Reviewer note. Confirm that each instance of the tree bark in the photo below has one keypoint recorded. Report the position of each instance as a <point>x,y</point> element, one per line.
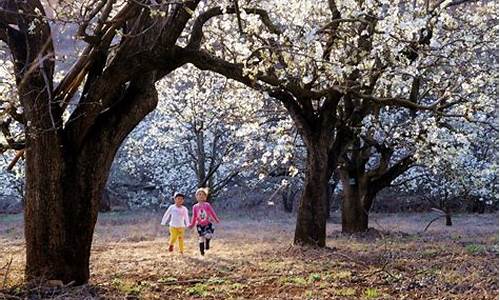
<point>354,215</point>
<point>288,197</point>
<point>200,156</point>
<point>67,164</point>
<point>323,149</point>
<point>360,185</point>
<point>448,220</point>
<point>330,198</point>
<point>311,218</point>
<point>62,205</point>
<point>357,200</point>
<point>328,202</point>
<point>105,204</point>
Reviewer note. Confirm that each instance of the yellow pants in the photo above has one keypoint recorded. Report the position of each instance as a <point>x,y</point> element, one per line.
<point>177,233</point>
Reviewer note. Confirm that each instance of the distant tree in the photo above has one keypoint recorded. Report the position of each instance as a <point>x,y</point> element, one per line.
<point>206,131</point>
<point>334,64</point>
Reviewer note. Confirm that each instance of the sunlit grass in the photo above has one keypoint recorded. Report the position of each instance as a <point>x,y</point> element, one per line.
<point>254,259</point>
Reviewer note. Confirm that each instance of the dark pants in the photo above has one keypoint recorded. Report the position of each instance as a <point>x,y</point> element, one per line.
<point>205,232</point>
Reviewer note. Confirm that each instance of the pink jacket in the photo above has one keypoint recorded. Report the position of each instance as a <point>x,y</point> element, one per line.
<point>202,214</point>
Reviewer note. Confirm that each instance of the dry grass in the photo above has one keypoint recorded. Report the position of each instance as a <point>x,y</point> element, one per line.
<point>254,259</point>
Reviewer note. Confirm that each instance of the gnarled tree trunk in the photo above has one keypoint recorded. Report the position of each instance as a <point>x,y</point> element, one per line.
<point>323,148</point>
<point>356,203</point>
<point>67,165</point>
<point>62,206</point>
<point>360,185</point>
<point>312,211</point>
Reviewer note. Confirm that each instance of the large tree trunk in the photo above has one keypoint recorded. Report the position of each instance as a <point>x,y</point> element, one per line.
<point>43,211</point>
<point>311,217</point>
<point>360,186</point>
<point>356,202</point>
<point>323,148</point>
<point>354,215</point>
<point>60,215</point>
<point>67,164</point>
<point>64,187</point>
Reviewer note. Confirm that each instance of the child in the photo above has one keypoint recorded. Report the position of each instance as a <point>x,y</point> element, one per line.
<point>202,214</point>
<point>179,220</point>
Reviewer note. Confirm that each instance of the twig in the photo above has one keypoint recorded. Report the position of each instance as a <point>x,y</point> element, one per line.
<point>7,269</point>
<point>186,282</point>
<point>432,221</point>
<point>8,296</point>
<point>384,270</point>
<point>335,252</point>
<point>19,154</point>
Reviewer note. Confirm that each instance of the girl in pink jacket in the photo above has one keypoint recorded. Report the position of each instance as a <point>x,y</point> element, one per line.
<point>203,214</point>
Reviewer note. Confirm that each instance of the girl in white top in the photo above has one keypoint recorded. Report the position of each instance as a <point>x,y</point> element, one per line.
<point>179,220</point>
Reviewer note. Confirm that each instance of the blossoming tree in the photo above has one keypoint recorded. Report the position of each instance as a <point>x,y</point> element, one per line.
<point>331,64</point>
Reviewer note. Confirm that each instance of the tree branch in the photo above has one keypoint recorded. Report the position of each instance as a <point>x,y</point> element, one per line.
<point>393,172</point>
<point>197,30</point>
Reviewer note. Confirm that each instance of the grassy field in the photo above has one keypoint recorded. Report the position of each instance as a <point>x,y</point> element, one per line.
<point>254,259</point>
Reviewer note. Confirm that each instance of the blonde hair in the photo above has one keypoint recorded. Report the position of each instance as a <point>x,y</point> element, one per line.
<point>202,190</point>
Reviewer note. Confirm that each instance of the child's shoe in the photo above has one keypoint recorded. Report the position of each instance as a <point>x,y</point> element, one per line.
<point>170,248</point>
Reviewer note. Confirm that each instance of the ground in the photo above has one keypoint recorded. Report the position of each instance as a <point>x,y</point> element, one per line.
<point>252,258</point>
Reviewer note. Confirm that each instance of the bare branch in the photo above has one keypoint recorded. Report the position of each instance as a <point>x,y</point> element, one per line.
<point>197,31</point>
<point>394,101</point>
